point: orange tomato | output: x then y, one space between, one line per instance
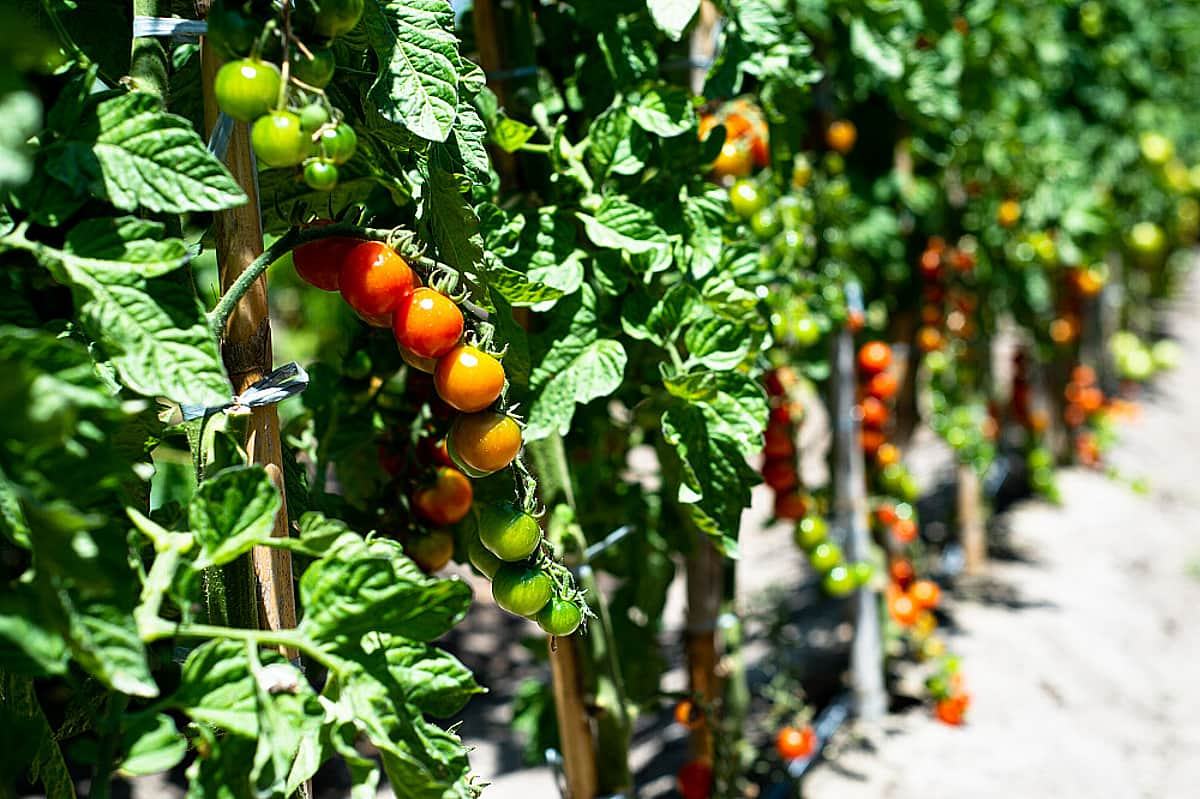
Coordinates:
1009 213
925 594
929 338
904 530
793 743
901 571
447 500
873 412
874 357
882 386
688 715
468 379
903 610
887 454
872 440
841 136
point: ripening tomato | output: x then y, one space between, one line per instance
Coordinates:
901 572
688 715
780 474
734 161
468 379
872 440
447 500
1091 399
873 412
695 780
374 279
887 454
931 264
427 324
431 551
841 136
509 532
903 610
886 514
904 530
929 338
1009 213
874 357
1084 375
925 594
793 743
484 442
790 505
811 531
319 262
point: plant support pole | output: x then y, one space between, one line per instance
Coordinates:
246 349
850 514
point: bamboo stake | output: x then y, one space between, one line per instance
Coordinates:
850 514
971 529
246 349
574 729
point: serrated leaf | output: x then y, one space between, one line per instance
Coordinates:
718 343
510 135
616 145
467 144
231 512
151 746
30 750
149 322
673 16
577 367
216 687
452 223
417 84
518 289
435 682
664 110
137 156
374 587
876 50
621 225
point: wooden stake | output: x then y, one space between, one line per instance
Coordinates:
246 350
971 529
705 583
850 514
574 730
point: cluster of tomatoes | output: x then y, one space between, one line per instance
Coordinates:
1084 400
877 392
780 471
945 308
478 440
746 146
276 82
950 697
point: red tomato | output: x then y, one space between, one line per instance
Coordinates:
780 474
319 262
872 440
925 594
882 386
874 413
793 743
374 279
886 514
695 780
447 500
901 571
777 441
427 324
468 379
791 505
951 711
874 357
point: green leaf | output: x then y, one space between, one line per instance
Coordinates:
30 750
22 114
621 225
29 642
290 717
673 16
510 135
872 47
519 290
718 343
576 367
467 144
217 688
232 512
417 84
452 223
435 682
665 110
129 152
616 145
152 745
362 587
148 321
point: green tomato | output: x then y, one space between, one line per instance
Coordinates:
862 571
795 210
560 617
839 581
481 557
765 223
232 29
246 89
320 175
1166 354
835 164
1147 238
1043 480
1156 148
521 589
825 556
807 331
1040 458
508 532
313 116
331 18
1136 364
338 143
316 71
278 139
810 531
746 198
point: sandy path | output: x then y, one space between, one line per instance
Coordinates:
1083 652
